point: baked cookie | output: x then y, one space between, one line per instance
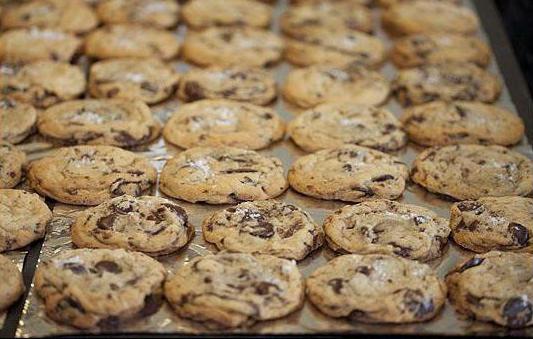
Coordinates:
495 287
504 223
473 171
264 227
11 284
230 46
148 80
99 288
23 219
235 289
310 86
387 227
18 120
152 225
389 3
335 124
42 83
74 16
89 175
11 164
422 16
448 81
356 2
27 45
238 83
200 14
216 123
128 40
436 48
376 289
349 173
154 13
335 47
222 175
461 122
113 122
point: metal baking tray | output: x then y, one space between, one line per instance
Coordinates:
34 323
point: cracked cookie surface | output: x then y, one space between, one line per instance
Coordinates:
11 284
12 162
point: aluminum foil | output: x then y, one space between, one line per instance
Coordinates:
308 320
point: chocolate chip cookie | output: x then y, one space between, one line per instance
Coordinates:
27 45
152 225
389 3
238 83
387 227
447 81
216 123
230 290
264 227
129 40
335 124
11 284
349 173
113 122
436 48
504 223
74 16
148 80
23 218
155 13
11 164
200 14
18 120
230 46
42 83
461 122
99 288
473 171
376 289
89 175
495 287
310 86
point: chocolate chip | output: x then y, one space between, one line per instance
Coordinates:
107 222
417 304
263 287
149 87
467 206
108 266
193 91
152 302
382 178
263 230
471 263
363 270
368 192
112 92
400 250
347 167
519 233
336 285
517 312
75 268
178 211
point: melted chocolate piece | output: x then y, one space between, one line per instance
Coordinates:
336 285
263 287
471 263
106 223
416 303
517 312
75 268
519 233
193 91
108 266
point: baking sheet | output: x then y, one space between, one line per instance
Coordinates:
34 322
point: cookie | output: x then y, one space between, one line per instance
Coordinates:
389 3
113 122
222 175
473 171
99 288
18 120
376 289
27 45
495 287
42 83
154 13
335 47
349 173
200 14
230 46
310 86
461 122
448 81
128 40
335 124
11 284
23 218
148 80
216 123
73 16
238 83
89 175
264 227
387 227
436 48
11 164
422 16
504 223
152 225
235 289
356 2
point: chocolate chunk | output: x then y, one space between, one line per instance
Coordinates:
415 302
112 92
107 222
517 312
120 187
108 266
263 230
363 270
382 178
519 233
368 192
152 302
149 87
75 267
178 211
347 167
467 206
263 287
123 208
404 252
68 302
336 285
471 263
